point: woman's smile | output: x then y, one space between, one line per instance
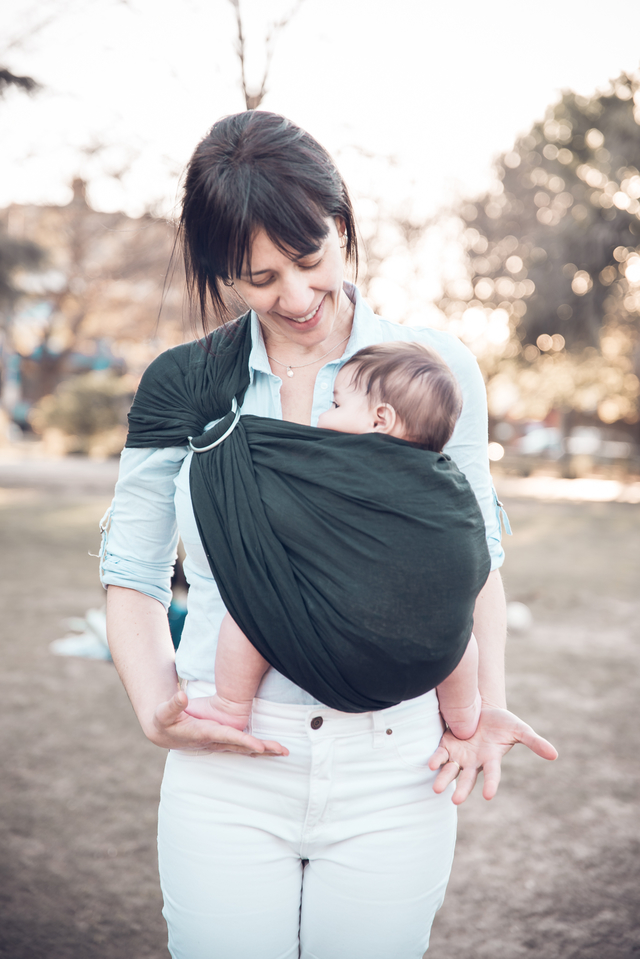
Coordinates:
311 320
309 316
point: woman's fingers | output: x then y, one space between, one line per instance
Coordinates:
497 732
259 747
541 747
464 785
227 739
446 776
492 772
272 748
167 713
438 759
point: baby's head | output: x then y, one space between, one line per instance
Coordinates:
401 389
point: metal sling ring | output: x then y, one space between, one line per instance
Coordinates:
203 449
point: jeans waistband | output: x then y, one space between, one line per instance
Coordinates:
297 719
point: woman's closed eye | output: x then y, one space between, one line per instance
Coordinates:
310 266
266 282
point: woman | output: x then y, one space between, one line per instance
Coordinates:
338 841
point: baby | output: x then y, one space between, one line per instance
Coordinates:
404 390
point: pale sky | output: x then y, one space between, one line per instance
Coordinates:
441 87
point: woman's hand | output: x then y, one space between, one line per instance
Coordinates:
143 654
173 728
498 730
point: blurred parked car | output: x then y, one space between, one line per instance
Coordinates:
545 440
584 449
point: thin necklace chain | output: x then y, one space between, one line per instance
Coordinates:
301 366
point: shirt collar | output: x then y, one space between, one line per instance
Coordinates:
258 359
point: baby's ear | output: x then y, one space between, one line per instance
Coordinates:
385 418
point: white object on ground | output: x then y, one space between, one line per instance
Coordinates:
519 617
585 490
91 641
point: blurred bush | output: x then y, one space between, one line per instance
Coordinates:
86 414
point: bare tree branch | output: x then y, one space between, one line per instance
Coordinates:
253 100
9 79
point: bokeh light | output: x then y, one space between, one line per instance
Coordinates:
594 138
581 283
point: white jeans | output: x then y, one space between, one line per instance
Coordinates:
339 851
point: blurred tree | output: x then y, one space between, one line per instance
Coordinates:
254 99
15 254
86 414
396 240
101 292
9 79
553 255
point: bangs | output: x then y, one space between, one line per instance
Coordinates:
296 226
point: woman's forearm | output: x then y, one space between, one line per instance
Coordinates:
142 651
490 628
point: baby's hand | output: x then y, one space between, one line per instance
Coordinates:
221 710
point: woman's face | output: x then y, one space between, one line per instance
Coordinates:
299 300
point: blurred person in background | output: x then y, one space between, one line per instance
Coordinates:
338 841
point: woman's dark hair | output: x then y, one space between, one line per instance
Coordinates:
255 171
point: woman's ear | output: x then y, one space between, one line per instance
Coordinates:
385 418
341 227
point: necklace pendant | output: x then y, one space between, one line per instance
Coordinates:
289 371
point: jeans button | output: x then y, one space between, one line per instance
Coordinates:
316 722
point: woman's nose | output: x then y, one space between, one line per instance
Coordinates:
296 297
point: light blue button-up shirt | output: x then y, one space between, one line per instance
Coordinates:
152 503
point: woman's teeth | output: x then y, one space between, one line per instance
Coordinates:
303 319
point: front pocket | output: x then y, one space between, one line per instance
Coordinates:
414 744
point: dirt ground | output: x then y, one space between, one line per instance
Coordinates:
550 868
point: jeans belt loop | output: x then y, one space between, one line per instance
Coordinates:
379 726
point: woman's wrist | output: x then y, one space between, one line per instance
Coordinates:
493 703
490 631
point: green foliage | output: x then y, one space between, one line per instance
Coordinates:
85 406
555 246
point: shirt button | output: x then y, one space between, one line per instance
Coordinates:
324 385
316 722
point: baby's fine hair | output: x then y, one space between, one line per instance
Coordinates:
417 383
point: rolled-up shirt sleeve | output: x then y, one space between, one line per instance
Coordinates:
468 447
139 531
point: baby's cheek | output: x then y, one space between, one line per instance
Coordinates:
324 420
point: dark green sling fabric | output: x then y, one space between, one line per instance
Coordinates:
352 563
